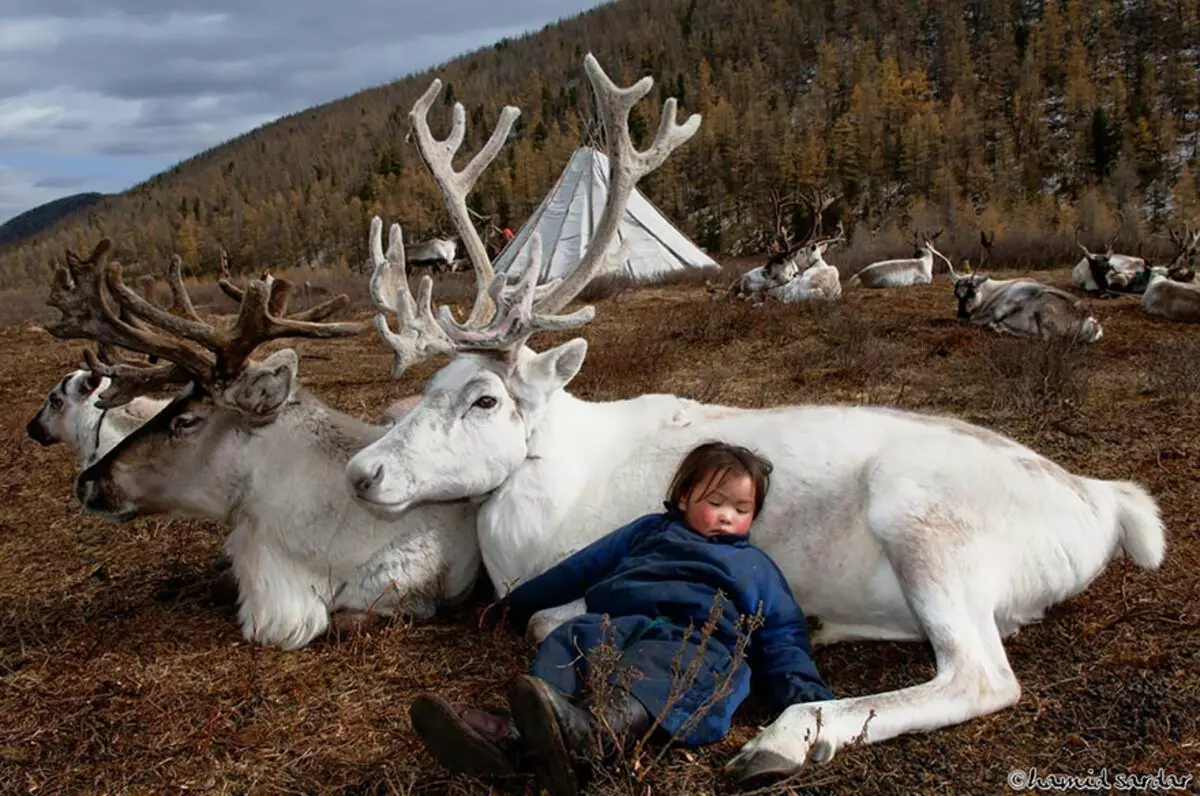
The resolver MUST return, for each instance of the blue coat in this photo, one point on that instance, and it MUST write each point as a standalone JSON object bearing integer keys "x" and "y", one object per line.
{"x": 654, "y": 578}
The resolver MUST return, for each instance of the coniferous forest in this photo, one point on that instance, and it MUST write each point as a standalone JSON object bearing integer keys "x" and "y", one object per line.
{"x": 1018, "y": 116}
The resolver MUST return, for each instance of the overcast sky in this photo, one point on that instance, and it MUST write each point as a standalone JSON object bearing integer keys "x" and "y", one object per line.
{"x": 100, "y": 96}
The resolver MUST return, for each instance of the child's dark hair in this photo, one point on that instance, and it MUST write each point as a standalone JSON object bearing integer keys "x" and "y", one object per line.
{"x": 723, "y": 458}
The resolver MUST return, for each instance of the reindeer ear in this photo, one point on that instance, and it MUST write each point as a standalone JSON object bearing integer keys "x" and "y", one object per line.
{"x": 264, "y": 387}
{"x": 555, "y": 368}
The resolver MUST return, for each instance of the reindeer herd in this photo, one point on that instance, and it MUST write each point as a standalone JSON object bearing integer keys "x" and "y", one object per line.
{"x": 1021, "y": 307}
{"x": 877, "y": 517}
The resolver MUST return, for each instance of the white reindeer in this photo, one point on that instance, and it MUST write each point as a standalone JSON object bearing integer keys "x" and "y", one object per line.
{"x": 1022, "y": 307}
{"x": 1107, "y": 273}
{"x": 70, "y": 415}
{"x": 243, "y": 443}
{"x": 817, "y": 280}
{"x": 780, "y": 269}
{"x": 1174, "y": 296}
{"x": 801, "y": 273}
{"x": 438, "y": 253}
{"x": 917, "y": 270}
{"x": 879, "y": 518}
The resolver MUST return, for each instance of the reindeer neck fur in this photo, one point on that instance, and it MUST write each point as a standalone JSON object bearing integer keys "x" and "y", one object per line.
{"x": 290, "y": 479}
{"x": 573, "y": 449}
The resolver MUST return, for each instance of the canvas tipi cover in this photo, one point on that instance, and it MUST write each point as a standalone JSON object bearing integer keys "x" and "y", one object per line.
{"x": 568, "y": 216}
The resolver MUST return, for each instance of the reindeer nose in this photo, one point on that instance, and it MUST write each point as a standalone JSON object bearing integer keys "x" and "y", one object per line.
{"x": 363, "y": 484}
{"x": 37, "y": 432}
{"x": 83, "y": 490}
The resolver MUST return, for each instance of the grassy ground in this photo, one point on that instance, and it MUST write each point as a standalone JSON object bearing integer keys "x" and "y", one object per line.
{"x": 119, "y": 673}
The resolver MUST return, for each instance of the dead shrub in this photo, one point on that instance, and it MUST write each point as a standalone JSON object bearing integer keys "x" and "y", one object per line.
{"x": 1172, "y": 373}
{"x": 727, "y": 321}
{"x": 25, "y": 305}
{"x": 1041, "y": 379}
{"x": 636, "y": 362}
{"x": 849, "y": 351}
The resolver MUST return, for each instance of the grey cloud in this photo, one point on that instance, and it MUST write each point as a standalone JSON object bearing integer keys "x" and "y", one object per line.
{"x": 59, "y": 182}
{"x": 138, "y": 77}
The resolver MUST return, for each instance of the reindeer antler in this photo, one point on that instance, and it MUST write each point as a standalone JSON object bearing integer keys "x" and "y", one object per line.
{"x": 83, "y": 291}
{"x": 503, "y": 317}
{"x": 419, "y": 335}
{"x": 455, "y": 185}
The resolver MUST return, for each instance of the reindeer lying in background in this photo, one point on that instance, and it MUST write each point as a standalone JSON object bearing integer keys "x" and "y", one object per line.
{"x": 1175, "y": 294}
{"x": 817, "y": 280}
{"x": 799, "y": 273}
{"x": 437, "y": 253}
{"x": 1107, "y": 273}
{"x": 918, "y": 270}
{"x": 1022, "y": 307}
{"x": 243, "y": 443}
{"x": 70, "y": 415}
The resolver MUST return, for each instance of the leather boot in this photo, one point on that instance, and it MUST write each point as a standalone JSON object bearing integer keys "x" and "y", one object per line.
{"x": 466, "y": 740}
{"x": 622, "y": 724}
{"x": 557, "y": 736}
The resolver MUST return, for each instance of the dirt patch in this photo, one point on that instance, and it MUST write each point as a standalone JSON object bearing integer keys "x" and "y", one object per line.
{"x": 121, "y": 673}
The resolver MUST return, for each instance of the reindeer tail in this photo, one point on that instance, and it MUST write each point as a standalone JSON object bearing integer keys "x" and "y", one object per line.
{"x": 1140, "y": 525}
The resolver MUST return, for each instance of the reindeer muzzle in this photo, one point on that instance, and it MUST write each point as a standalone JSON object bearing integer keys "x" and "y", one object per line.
{"x": 37, "y": 432}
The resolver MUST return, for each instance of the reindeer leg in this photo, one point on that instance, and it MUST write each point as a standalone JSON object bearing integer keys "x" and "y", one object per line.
{"x": 973, "y": 674}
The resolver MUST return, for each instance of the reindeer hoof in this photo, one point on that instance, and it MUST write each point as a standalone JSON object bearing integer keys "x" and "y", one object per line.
{"x": 751, "y": 765}
{"x": 347, "y": 622}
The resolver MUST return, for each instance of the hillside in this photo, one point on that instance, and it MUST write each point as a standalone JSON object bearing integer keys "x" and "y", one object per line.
{"x": 31, "y": 222}
{"x": 1013, "y": 115}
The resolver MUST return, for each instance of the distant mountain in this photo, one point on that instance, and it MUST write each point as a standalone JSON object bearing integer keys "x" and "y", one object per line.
{"x": 31, "y": 222}
{"x": 1020, "y": 116}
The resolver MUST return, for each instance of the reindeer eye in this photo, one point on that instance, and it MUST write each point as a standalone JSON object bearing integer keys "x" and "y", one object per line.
{"x": 56, "y": 401}
{"x": 184, "y": 423}
{"x": 485, "y": 402}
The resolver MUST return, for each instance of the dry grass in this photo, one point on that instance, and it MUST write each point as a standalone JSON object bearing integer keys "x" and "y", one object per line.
{"x": 121, "y": 676}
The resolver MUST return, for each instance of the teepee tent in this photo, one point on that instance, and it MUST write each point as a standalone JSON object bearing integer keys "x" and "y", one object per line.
{"x": 568, "y": 216}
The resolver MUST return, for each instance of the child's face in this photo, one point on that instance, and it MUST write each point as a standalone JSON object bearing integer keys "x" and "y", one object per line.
{"x": 726, "y": 507}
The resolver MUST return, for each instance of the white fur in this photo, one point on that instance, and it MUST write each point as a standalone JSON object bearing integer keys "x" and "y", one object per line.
{"x": 436, "y": 250}
{"x": 819, "y": 281}
{"x": 301, "y": 546}
{"x": 70, "y": 415}
{"x": 887, "y": 524}
{"x": 898, "y": 273}
{"x": 805, "y": 277}
{"x": 1176, "y": 301}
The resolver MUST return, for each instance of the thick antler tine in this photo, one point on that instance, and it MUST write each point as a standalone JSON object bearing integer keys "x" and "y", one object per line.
{"x": 181, "y": 302}
{"x": 389, "y": 283}
{"x": 455, "y": 185}
{"x": 279, "y": 296}
{"x": 395, "y": 250}
{"x": 419, "y": 336}
{"x": 323, "y": 310}
{"x": 515, "y": 320}
{"x": 130, "y": 381}
{"x": 189, "y": 329}
{"x": 231, "y": 290}
{"x": 543, "y": 290}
